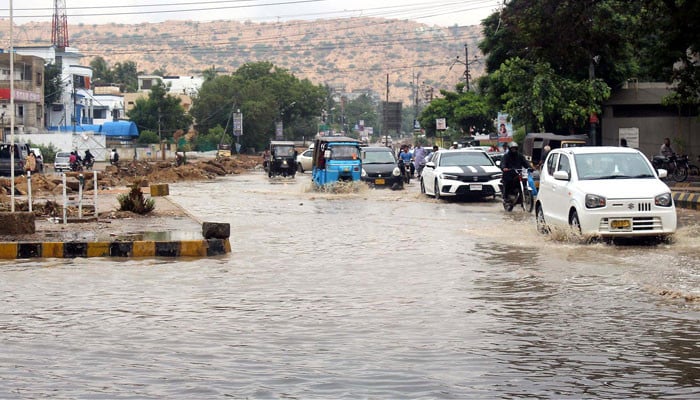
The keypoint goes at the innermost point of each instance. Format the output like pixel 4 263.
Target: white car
pixel 605 192
pixel 460 172
pixel 304 160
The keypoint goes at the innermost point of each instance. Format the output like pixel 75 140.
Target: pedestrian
pixel 114 157
pixel 419 158
pixel 545 153
pixel 30 164
pixel 623 142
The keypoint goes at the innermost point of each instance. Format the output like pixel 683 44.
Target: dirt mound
pixel 126 173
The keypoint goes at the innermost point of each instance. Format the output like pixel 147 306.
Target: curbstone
pixel 123 249
pixel 688 200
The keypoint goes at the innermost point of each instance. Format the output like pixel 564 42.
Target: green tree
pixel 264 94
pixel 126 76
pixel 148 137
pixel 463 112
pixel 361 109
pixel 160 112
pixel 53 84
pixel 101 73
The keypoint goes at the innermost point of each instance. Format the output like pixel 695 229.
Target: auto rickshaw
pixel 283 158
pixel 336 159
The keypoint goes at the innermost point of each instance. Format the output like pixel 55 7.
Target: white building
pixel 77 100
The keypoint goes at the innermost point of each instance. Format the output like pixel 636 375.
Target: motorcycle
pixel 524 195
pixel 88 164
pixel 76 166
pixel 405 170
pixel 677 167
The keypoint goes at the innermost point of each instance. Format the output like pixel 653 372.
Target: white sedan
pixel 462 172
pixel 605 192
pixel 304 160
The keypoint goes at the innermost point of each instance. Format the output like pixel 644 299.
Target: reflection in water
pixel 373 294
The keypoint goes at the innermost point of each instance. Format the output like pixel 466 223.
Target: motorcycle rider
pixel 406 156
pixel 89 159
pixel 666 151
pixel 511 161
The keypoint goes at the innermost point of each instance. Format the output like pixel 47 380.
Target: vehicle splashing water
pixel 376 294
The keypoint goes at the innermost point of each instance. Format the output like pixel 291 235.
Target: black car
pixel 380 167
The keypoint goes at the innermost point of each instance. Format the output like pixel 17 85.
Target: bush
pixel 148 137
pixel 134 201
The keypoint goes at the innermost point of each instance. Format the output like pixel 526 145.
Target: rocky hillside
pixel 350 54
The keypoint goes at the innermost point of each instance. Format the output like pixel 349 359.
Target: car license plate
pixel 621 224
pixel 475 187
pixel 379 181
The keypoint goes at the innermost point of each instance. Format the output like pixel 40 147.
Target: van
pixel 21 151
pixel 535 142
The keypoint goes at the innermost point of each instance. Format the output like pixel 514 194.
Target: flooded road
pixel 372 294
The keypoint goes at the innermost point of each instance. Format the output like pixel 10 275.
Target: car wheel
pixel 574 222
pixel 436 190
pixel 539 217
pixel 422 186
pixel 680 174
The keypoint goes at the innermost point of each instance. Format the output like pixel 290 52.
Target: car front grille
pixel 474 179
pixel 639 224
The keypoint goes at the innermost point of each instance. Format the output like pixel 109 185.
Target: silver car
pixel 62 161
pixel 304 160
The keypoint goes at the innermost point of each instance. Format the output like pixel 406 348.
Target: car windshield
pixel 344 152
pixel 612 166
pixel 283 151
pixel 63 155
pixel 473 158
pixel 378 157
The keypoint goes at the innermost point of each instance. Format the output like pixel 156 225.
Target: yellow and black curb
pixel 183 248
pixel 689 200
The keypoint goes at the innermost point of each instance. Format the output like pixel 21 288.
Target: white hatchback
pixel 462 172
pixel 605 192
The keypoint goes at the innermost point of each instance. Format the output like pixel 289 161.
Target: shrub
pixel 134 201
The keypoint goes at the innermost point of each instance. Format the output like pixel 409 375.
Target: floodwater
pixel 367 294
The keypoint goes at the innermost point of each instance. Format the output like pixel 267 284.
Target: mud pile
pixel 128 172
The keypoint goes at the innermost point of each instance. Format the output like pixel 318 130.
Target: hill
pixel 349 54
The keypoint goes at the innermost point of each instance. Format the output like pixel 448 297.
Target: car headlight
pixel 396 171
pixel 363 173
pixel 448 176
pixel 496 176
pixel 594 201
pixel 664 200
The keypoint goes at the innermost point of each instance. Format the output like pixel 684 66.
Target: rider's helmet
pixel 513 145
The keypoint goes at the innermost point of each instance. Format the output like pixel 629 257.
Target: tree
pixel 265 95
pixel 160 112
pixel 101 74
pixel 126 76
pixel 53 84
pixel 463 112
pixel 362 109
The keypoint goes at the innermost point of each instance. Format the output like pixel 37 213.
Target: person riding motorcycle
pixel 407 157
pixel 511 161
pixel 89 159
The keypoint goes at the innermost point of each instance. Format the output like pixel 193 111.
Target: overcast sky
pixel 443 13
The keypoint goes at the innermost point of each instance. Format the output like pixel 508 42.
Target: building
pixel 636 113
pixel 77 96
pixel 28 94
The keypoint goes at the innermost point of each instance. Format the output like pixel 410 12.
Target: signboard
pixel 238 124
pixel 440 124
pixel 369 130
pixel 392 115
pixel 631 135
pixel 279 131
pixel 505 128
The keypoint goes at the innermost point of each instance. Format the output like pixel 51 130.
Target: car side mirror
pixel 662 173
pixel 561 175
pixel 430 165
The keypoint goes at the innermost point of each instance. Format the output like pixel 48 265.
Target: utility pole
pixel 466 66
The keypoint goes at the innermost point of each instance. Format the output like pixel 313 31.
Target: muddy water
pixel 365 294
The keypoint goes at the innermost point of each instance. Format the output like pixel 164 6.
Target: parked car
pixel 604 191
pixel 39 159
pixel 62 161
pixel 21 151
pixel 380 167
pixel 467 172
pixel 304 160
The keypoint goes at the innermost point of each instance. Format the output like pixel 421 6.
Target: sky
pixel 441 13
